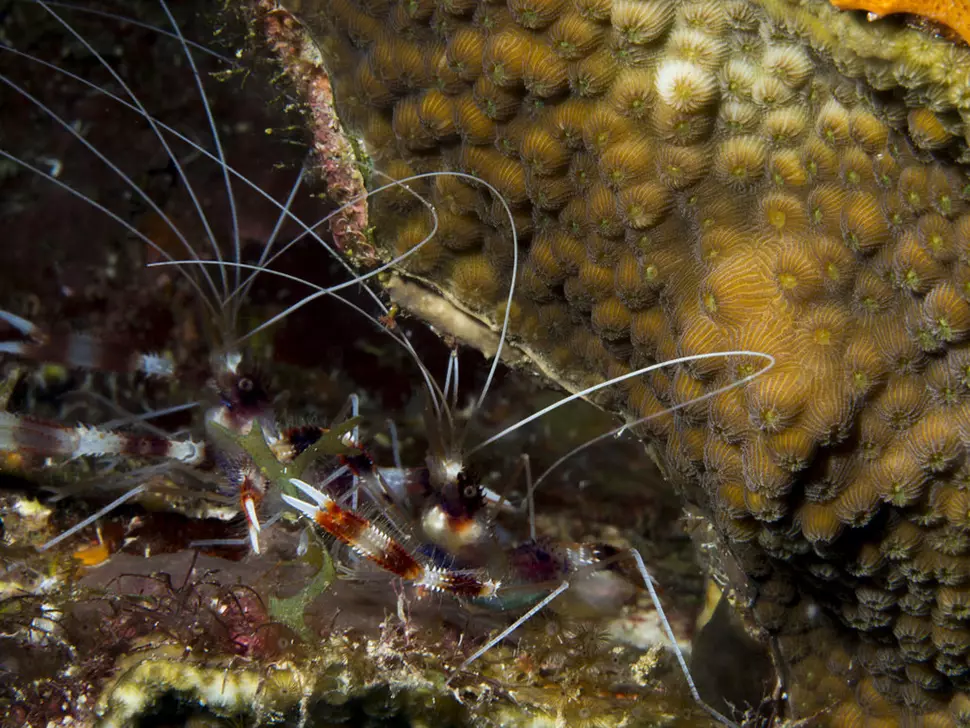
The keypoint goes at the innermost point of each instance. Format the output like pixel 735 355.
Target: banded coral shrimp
pixel 227 269
pixel 450 505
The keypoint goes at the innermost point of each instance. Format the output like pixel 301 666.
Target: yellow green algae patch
pixel 145 679
pixel 394 679
pixel 687 177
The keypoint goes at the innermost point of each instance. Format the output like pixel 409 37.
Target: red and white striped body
pixel 377 546
pixel 19 433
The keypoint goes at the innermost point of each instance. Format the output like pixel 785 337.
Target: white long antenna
pixel 617 431
pixel 215 137
pixel 93 517
pixel 622 378
pixel 161 138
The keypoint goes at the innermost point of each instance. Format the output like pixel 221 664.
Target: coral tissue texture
pixel 690 177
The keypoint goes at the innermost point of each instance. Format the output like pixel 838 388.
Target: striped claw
pixel 302 506
pixel 20 433
pixel 249 506
pixel 379 547
pixel 309 490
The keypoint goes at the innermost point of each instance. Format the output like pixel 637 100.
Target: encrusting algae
pixel 696 176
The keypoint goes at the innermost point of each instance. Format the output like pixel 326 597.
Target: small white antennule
pixel 451 378
pixel 395 443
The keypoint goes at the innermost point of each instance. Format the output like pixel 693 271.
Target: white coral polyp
pixel 685 86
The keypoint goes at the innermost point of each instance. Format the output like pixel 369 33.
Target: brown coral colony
pixel 685 179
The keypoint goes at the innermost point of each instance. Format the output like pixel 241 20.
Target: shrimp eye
pixel 245 384
pixel 470 491
pixel 604 551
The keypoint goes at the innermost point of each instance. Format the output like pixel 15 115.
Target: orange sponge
pixel 954 14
